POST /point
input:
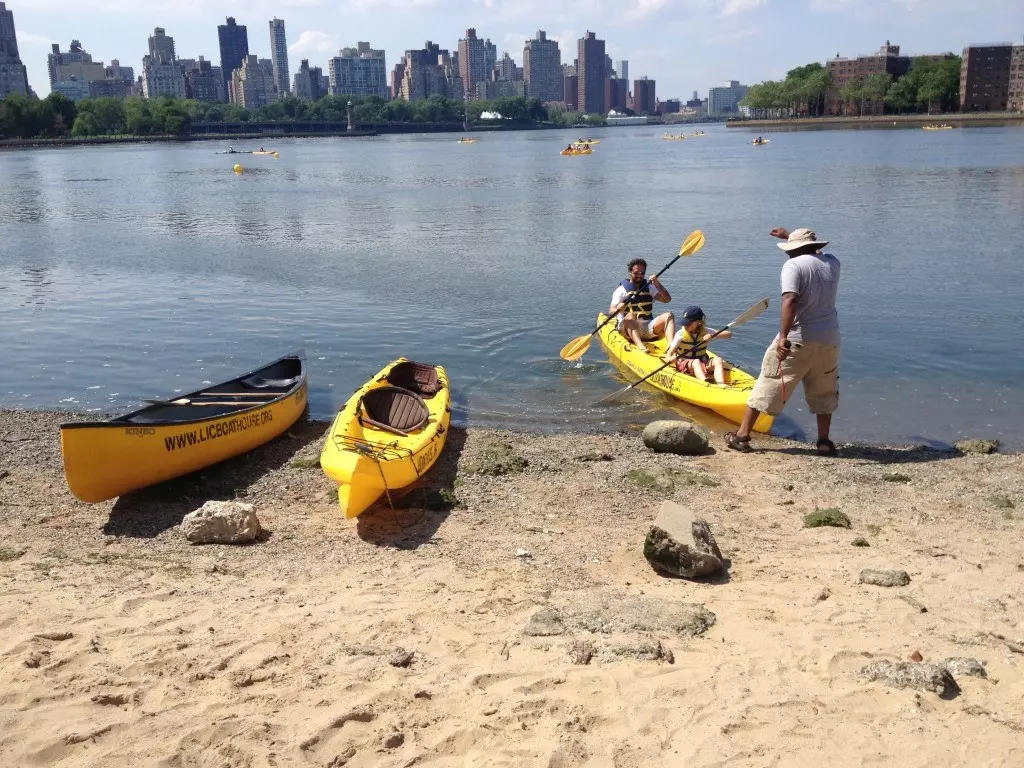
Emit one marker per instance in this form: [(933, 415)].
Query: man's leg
[(824, 425), (749, 417), (631, 330)]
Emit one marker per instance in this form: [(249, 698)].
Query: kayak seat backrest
[(415, 377), (394, 409)]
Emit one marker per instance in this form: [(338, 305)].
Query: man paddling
[(635, 300), (807, 347)]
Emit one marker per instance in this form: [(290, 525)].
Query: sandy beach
[(425, 636)]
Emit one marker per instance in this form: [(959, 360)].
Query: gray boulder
[(965, 667), (221, 522), (546, 622), (680, 543), (884, 578), (679, 437), (976, 445), (912, 674)]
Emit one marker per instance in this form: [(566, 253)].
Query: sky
[(684, 45)]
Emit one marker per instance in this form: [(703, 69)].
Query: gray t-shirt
[(814, 277)]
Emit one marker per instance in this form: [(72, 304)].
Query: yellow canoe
[(578, 152), (388, 434), (109, 458), (729, 401)]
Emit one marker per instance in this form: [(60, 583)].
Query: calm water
[(138, 271)]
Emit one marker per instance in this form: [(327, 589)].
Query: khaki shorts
[(816, 365)]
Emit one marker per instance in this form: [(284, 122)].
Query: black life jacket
[(641, 303)]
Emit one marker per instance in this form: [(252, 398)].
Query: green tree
[(852, 92), (19, 117), (137, 116), (902, 94), (86, 124), (874, 90), (56, 115)]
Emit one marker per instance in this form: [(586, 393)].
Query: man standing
[(807, 347), (635, 299)]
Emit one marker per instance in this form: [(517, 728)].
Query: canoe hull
[(729, 402), (367, 462), (103, 460)]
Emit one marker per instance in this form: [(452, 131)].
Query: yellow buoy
[(238, 168), (277, 156)]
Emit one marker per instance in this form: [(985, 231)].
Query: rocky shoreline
[(505, 610)]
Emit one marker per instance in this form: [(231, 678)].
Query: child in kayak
[(689, 348)]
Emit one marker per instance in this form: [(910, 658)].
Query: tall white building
[(359, 71), (279, 56), (251, 86), (161, 72), (73, 65), (622, 70)]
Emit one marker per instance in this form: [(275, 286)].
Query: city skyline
[(687, 45)]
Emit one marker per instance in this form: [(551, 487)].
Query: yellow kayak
[(937, 127), (467, 141), (578, 152), (388, 434), (581, 142), (729, 401), (104, 459)]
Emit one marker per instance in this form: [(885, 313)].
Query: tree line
[(56, 116), (927, 86)]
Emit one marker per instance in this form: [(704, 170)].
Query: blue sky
[(685, 45)]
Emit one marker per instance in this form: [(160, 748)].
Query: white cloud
[(732, 8), (312, 42)]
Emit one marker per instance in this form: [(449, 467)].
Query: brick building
[(985, 78), (886, 61)]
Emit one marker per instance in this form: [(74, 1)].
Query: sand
[(398, 639)]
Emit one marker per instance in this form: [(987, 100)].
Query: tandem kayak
[(729, 401), (388, 434), (762, 142), (578, 152), (104, 459)]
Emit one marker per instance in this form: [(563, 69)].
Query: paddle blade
[(693, 243), (576, 348), (614, 395), (751, 313)]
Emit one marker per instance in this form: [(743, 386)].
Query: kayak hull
[(367, 462), (729, 401)]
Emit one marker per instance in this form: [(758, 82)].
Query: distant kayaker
[(569, 148), (689, 348), (635, 300), (807, 346)]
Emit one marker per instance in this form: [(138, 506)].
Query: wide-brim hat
[(802, 238)]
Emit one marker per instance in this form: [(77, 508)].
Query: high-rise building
[(422, 73), (204, 82), (13, 76), (268, 70), (985, 78), (609, 69), (161, 46), (308, 82), (359, 71), (542, 68), (472, 63), (644, 99), (1016, 90), (73, 65), (251, 86), (887, 60), (616, 91), (571, 91), (234, 47), (490, 56), (279, 55), (726, 97), (590, 71), (622, 69)]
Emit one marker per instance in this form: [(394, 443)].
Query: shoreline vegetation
[(505, 608), (961, 119)]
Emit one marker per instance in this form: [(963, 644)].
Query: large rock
[(680, 543), (976, 445), (911, 674), (884, 578), (680, 437), (221, 522)]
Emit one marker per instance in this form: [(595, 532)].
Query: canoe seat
[(415, 377), (393, 409), (258, 382)]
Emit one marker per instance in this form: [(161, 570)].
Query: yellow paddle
[(576, 348), (746, 317)]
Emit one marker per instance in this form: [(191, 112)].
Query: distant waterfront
[(137, 271), (979, 119)]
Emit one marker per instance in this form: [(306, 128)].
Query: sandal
[(825, 447), (738, 443)]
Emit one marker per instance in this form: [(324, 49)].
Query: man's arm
[(617, 297), (789, 302), (662, 294)]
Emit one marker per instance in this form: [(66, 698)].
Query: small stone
[(582, 651), (544, 623), (681, 543), (884, 578), (965, 667), (489, 711), (221, 522), (913, 603), (401, 658), (860, 541), (36, 659), (525, 554), (676, 436), (976, 445), (916, 656), (110, 699), (423, 695), (394, 740), (824, 594), (907, 674), (57, 635)]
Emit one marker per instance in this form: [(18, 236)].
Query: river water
[(143, 270)]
